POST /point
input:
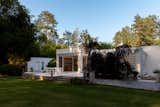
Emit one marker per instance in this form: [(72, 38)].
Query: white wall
[(36, 64), (152, 60)]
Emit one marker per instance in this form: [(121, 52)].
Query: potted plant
[(157, 72)]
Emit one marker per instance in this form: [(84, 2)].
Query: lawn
[(16, 92)]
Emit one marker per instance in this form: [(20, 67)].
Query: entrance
[(70, 63)]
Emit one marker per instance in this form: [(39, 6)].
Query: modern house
[(71, 60), (149, 58), (144, 59)]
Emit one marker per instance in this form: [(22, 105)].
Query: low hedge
[(10, 70)]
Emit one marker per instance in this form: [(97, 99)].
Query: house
[(71, 60), (38, 64), (144, 59), (149, 58)]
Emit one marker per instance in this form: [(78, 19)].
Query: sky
[(102, 18)]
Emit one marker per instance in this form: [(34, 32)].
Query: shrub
[(114, 65), (97, 61), (10, 70), (52, 63)]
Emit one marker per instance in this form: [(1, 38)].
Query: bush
[(52, 63), (10, 70), (97, 62), (113, 65)]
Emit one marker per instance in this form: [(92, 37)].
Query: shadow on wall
[(113, 65)]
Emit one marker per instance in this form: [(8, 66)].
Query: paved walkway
[(65, 74), (137, 84)]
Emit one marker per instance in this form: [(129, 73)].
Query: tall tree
[(75, 37), (61, 41), (157, 40), (123, 37), (67, 37), (105, 45), (117, 39), (71, 39), (16, 30), (85, 38), (46, 25), (48, 50), (145, 29)]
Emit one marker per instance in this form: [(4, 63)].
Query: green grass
[(16, 92)]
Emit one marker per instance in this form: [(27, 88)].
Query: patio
[(136, 84)]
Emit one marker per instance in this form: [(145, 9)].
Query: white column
[(57, 61), (62, 63), (72, 63), (80, 61)]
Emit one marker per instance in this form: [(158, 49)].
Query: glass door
[(67, 63)]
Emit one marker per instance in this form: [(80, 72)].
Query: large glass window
[(67, 63), (71, 63)]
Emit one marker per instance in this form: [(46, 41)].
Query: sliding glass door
[(67, 63), (70, 63)]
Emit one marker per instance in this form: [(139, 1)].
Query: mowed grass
[(16, 92)]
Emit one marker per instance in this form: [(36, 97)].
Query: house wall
[(36, 64), (151, 61), (147, 58), (144, 59), (72, 52), (135, 59), (79, 62)]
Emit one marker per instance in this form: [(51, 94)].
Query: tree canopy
[(85, 38), (144, 31), (46, 25), (105, 45), (124, 36), (20, 38), (71, 38), (14, 21)]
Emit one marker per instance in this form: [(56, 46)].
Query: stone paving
[(136, 84)]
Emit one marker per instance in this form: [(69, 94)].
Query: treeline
[(144, 31), (49, 40), (22, 38)]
